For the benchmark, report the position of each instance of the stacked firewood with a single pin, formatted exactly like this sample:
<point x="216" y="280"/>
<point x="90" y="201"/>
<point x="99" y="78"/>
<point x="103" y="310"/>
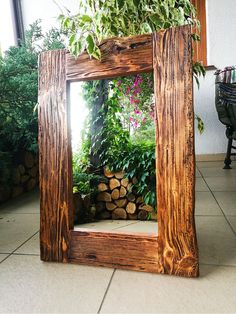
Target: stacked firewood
<point x="25" y="174"/>
<point x="117" y="200"/>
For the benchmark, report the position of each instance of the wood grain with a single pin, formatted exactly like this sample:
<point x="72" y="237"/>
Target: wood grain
<point x="120" y="56"/>
<point x="174" y="250"/>
<point x="200" y="48"/>
<point x="175" y="158"/>
<point x="134" y="251"/>
<point x="54" y="158"/>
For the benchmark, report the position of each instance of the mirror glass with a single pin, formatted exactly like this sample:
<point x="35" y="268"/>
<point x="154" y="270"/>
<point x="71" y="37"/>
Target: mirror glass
<point x="113" y="143"/>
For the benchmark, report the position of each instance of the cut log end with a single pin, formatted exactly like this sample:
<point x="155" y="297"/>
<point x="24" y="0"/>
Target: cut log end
<point x="115" y="194"/>
<point x="131" y="197"/>
<point x="114" y="183"/>
<point x="119" y="175"/>
<point x="108" y="173"/>
<point x="123" y="191"/>
<point x="102" y="187"/>
<point x="125" y="182"/>
<point x="147" y="208"/>
<point x="110" y="206"/>
<point x="142" y="215"/>
<point x="121" y="202"/>
<point x="131" y="208"/>
<point x="104" y="197"/>
<point x="119" y="213"/>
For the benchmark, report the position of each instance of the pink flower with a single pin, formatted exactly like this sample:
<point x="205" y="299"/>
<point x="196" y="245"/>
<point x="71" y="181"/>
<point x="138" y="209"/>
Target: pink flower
<point x="135" y="124"/>
<point x="130" y="119"/>
<point x="151" y="113"/>
<point x="118" y="83"/>
<point x="132" y="101"/>
<point x="137" y="90"/>
<point x="128" y="90"/>
<point x="139" y="78"/>
<point x="135" y="83"/>
<point x="136" y="111"/>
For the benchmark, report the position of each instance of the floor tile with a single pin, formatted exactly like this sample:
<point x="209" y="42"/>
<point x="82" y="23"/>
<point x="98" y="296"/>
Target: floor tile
<point x="2" y="257"/>
<point x="27" y="203"/>
<point x="198" y="174"/>
<point x="227" y="201"/>
<point x="218" y="172"/>
<point x="201" y="185"/>
<point x="105" y="224"/>
<point x="232" y="221"/>
<point x="30" y="247"/>
<point x="31" y="286"/>
<point x="206" y="205"/>
<point x="216" y="241"/>
<point x="141" y="226"/>
<point x="213" y="292"/>
<point x="221" y="183"/>
<point x="122" y="226"/>
<point x="15" y="229"/>
<point x="209" y="164"/>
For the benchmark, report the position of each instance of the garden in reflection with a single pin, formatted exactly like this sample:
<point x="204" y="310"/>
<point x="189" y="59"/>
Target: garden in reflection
<point x="113" y="142"/>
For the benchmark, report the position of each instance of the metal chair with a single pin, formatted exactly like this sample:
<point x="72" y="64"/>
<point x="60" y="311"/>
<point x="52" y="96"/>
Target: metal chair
<point x="225" y="101"/>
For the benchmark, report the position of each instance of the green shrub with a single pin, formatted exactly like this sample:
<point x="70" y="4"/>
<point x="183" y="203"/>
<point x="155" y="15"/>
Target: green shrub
<point x="19" y="89"/>
<point x="18" y="96"/>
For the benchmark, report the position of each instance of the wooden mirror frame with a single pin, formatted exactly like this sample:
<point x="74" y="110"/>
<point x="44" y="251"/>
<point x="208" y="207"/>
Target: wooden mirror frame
<point x="174" y="249"/>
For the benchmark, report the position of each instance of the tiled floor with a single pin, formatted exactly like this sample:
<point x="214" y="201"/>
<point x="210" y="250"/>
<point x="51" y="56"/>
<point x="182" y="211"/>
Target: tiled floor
<point x="28" y="285"/>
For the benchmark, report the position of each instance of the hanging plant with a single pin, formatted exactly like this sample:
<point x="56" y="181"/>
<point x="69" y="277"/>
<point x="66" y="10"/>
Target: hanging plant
<point x="101" y="19"/>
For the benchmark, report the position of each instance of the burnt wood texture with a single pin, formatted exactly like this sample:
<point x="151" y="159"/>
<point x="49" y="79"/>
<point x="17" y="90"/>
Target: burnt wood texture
<point x="174" y="250"/>
<point x="175" y="158"/>
<point x="120" y="57"/>
<point x="118" y="250"/>
<point x="54" y="158"/>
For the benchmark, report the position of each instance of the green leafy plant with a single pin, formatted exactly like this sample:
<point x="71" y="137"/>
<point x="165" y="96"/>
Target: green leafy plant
<point x="84" y="181"/>
<point x="102" y="19"/>
<point x="138" y="161"/>
<point x="18" y="96"/>
<point x="126" y="139"/>
<point x="135" y="154"/>
<point x="98" y="20"/>
<point x="19" y="89"/>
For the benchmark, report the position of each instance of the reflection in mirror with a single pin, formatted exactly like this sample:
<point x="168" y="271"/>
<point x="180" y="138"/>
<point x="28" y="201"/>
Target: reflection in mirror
<point x="113" y="142"/>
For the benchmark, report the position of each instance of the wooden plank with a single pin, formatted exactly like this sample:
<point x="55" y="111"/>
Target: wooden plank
<point x="200" y="48"/>
<point x="174" y="251"/>
<point x="120" y="56"/>
<point x="134" y="251"/>
<point x="54" y="157"/>
<point x="175" y="158"/>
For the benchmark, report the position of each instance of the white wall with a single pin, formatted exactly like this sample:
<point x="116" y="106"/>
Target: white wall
<point x="7" y="36"/>
<point x="213" y="140"/>
<point x="46" y="10"/>
<point x="221" y="32"/>
<point x="221" y="37"/>
<point x="221" y="46"/>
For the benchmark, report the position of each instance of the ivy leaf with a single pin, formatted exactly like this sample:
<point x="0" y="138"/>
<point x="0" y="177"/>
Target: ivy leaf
<point x="200" y="124"/>
<point x="76" y="48"/>
<point x="195" y="37"/>
<point x="120" y="4"/>
<point x="72" y="39"/>
<point x="66" y="22"/>
<point x="90" y="44"/>
<point x="86" y="19"/>
<point x="96" y="53"/>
